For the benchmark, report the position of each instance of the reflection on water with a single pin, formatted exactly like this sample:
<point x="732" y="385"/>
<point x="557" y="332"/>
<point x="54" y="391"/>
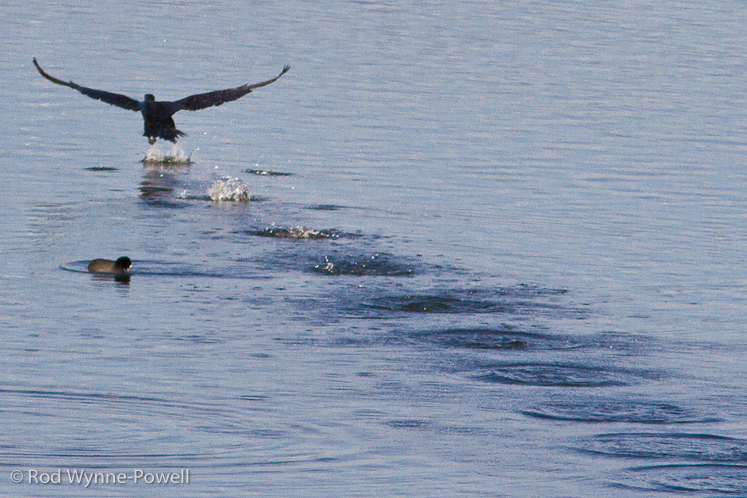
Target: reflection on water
<point x="158" y="185"/>
<point x="121" y="279"/>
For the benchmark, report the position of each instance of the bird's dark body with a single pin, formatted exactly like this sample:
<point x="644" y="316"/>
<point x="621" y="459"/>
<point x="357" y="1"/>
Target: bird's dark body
<point x="157" y="116"/>
<point x="158" y="121"/>
<point x="119" y="267"/>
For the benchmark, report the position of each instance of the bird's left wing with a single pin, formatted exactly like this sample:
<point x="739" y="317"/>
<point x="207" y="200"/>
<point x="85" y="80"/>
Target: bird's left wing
<point x="115" y="99"/>
<point x="210" y="99"/>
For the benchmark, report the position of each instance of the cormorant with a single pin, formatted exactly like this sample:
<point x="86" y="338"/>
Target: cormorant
<point x="157" y="115"/>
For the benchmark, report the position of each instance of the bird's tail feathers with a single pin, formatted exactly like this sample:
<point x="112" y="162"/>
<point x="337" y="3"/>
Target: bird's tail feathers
<point x="167" y="134"/>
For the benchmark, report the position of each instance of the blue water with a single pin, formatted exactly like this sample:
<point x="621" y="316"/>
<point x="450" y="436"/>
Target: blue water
<point x="492" y="249"/>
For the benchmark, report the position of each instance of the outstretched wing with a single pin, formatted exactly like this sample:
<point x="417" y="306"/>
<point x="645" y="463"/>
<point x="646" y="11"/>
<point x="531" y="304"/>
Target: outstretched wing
<point x="210" y="99"/>
<point x="115" y="99"/>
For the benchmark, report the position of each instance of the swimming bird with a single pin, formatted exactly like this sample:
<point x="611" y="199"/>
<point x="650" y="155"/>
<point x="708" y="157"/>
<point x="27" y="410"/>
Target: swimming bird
<point x="158" y="114"/>
<point x="119" y="267"/>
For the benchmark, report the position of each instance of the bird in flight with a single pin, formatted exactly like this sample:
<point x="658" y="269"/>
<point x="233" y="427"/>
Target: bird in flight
<point x="158" y="115"/>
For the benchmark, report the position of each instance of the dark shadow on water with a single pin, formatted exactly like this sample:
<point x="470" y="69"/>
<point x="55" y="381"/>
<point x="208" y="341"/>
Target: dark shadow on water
<point x="102" y="168"/>
<point x="353" y="294"/>
<point x="510" y="301"/>
<point x="325" y="207"/>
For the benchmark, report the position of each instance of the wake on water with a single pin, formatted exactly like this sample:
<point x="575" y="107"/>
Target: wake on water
<point x="224" y="189"/>
<point x="177" y="157"/>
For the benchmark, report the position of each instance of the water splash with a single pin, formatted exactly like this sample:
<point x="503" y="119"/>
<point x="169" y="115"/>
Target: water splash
<point x="176" y="157"/>
<point x="296" y="232"/>
<point x="265" y="172"/>
<point x="229" y="189"/>
<point x="375" y="265"/>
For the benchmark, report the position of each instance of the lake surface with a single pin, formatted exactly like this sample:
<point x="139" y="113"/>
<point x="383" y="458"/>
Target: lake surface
<point x="492" y="249"/>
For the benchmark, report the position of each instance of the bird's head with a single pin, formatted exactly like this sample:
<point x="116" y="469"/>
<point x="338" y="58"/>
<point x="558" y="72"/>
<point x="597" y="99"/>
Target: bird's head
<point x="124" y="263"/>
<point x="150" y="98"/>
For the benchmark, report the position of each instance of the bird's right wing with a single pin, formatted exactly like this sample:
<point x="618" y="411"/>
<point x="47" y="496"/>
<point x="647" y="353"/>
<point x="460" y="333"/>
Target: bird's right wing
<point x="115" y="99"/>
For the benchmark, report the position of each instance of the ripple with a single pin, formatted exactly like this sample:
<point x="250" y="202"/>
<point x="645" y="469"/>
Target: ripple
<point x="509" y="303"/>
<point x="474" y="301"/>
<point x="701" y="447"/>
<point x="478" y="338"/>
<point x="438" y="304"/>
<point x="618" y="410"/>
<point x="121" y="428"/>
<point x="504" y="338"/>
<point x="408" y="424"/>
<point x="553" y="375"/>
<point x="703" y="478"/>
